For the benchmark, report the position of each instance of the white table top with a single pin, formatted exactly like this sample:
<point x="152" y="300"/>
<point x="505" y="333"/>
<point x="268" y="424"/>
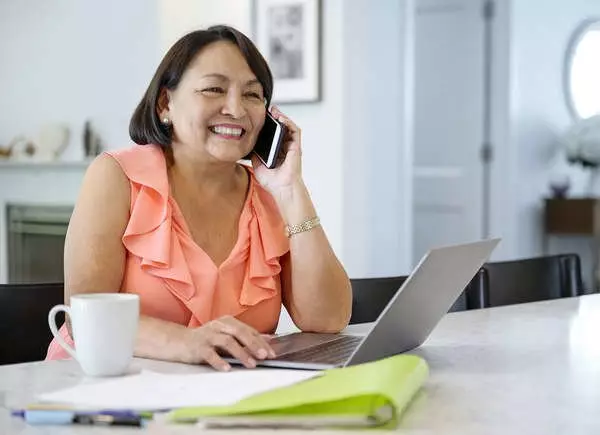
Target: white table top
<point x="526" y="369"/>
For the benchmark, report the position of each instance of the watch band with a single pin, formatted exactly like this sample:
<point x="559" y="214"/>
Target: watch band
<point x="306" y="225"/>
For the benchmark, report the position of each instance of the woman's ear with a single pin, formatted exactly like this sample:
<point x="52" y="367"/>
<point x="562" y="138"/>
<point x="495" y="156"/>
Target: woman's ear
<point x="162" y="104"/>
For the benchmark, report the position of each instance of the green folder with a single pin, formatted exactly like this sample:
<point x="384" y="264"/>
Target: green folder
<point x="367" y="395"/>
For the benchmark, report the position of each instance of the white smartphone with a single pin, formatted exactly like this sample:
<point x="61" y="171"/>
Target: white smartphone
<point x="269" y="142"/>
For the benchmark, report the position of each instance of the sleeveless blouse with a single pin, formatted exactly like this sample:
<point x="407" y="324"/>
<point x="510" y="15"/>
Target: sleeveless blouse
<point x="176" y="280"/>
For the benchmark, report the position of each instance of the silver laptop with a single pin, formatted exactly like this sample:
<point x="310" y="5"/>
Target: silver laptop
<point x="405" y="323"/>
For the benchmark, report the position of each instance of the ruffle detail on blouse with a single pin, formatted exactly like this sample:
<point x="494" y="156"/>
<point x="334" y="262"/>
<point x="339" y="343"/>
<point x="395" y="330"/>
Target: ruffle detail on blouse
<point x="265" y="245"/>
<point x="150" y="233"/>
<point x="165" y="249"/>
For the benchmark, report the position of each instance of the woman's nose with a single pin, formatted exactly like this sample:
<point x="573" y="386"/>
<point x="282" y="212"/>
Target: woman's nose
<point x="233" y="105"/>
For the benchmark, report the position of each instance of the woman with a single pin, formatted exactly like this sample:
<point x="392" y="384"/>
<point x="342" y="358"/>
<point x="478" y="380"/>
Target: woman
<point x="201" y="238"/>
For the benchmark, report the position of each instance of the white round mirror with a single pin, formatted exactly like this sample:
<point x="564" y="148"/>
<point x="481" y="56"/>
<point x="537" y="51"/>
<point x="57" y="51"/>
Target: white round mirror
<point x="582" y="71"/>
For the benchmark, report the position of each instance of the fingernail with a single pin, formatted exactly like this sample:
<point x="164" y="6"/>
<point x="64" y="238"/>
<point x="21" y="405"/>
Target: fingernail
<point x="225" y="367"/>
<point x="262" y="354"/>
<point x="251" y="362"/>
<point x="273" y="354"/>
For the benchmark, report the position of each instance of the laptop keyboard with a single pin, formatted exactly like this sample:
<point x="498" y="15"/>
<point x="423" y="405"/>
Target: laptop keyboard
<point x="333" y="352"/>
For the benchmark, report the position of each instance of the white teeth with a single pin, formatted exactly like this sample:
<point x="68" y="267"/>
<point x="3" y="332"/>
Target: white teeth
<point x="227" y="130"/>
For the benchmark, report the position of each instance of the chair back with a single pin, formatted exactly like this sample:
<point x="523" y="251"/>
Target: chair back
<point x="528" y="280"/>
<point x="371" y="295"/>
<point x="24" y="331"/>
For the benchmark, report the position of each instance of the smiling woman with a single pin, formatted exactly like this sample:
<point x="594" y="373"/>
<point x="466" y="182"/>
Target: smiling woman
<point x="200" y="237"/>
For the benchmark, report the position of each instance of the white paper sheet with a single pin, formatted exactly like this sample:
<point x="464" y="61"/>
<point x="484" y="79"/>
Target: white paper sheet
<point x="156" y="391"/>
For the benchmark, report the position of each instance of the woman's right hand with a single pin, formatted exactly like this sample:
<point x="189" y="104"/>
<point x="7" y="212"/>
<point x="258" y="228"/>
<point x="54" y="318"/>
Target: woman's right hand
<point x="230" y="335"/>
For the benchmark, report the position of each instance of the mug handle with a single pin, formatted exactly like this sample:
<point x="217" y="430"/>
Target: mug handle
<point x="52" y="323"/>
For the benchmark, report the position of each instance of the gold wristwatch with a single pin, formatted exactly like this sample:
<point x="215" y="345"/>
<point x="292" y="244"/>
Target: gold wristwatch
<point x="306" y="225"/>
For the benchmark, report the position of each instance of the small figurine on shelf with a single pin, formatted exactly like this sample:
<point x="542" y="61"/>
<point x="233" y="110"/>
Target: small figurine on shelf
<point x="52" y="140"/>
<point x="4" y="152"/>
<point x="47" y="146"/>
<point x="21" y="148"/>
<point x="560" y="185"/>
<point x="92" y="145"/>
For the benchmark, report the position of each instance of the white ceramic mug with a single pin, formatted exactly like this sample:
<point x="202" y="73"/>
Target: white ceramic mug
<point x="104" y="329"/>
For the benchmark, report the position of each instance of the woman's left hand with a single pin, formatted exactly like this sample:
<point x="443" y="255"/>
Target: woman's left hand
<point x="288" y="172"/>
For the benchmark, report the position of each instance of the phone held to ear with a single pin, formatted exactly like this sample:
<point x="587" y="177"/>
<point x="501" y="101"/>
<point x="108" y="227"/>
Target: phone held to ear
<point x="270" y="141"/>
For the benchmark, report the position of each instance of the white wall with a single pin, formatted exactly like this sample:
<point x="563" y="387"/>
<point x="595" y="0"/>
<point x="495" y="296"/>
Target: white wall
<point x="377" y="147"/>
<point x="69" y="60"/>
<point x="322" y="131"/>
<point x="502" y="174"/>
<point x="178" y="17"/>
<point x="540" y="32"/>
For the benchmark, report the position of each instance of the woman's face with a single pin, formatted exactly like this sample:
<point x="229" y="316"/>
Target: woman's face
<point x="218" y="107"/>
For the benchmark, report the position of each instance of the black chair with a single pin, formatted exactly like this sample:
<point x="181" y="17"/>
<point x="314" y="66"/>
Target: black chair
<point x="371" y="295"/>
<point x="528" y="280"/>
<point x="24" y="331"/>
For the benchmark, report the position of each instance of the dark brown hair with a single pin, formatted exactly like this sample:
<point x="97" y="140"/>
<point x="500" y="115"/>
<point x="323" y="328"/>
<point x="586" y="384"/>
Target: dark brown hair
<point x="145" y="126"/>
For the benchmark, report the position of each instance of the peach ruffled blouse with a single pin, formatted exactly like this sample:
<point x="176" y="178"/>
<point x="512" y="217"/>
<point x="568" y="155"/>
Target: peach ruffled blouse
<point x="176" y="280"/>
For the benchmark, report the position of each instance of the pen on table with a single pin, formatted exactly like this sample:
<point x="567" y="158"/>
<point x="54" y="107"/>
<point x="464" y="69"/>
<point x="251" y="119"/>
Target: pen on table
<point x="117" y="412"/>
<point x="112" y="418"/>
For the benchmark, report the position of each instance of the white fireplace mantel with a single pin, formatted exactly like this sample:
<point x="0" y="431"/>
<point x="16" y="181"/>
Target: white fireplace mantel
<point x="39" y="183"/>
<point x="33" y="165"/>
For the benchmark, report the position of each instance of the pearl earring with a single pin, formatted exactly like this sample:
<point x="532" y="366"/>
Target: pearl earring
<point x="166" y="121"/>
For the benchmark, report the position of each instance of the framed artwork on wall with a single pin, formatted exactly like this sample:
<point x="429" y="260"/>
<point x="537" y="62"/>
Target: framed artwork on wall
<point x="288" y="34"/>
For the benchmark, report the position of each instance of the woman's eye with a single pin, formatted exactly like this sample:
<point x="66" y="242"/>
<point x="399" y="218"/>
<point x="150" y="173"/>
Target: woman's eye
<point x="213" y="90"/>
<point x="254" y="95"/>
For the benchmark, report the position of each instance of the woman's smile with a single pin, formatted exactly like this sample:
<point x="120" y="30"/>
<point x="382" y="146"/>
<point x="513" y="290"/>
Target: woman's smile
<point x="227" y="131"/>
